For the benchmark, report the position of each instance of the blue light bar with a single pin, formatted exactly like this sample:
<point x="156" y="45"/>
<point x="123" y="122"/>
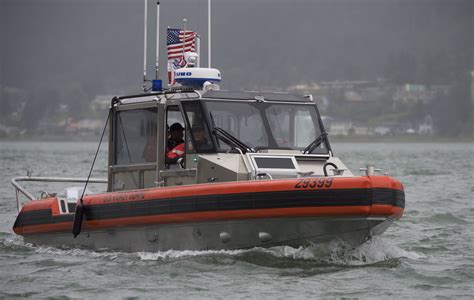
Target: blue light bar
<point x="157" y="85"/>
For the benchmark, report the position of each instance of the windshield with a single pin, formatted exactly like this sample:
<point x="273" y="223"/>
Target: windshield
<point x="267" y="125"/>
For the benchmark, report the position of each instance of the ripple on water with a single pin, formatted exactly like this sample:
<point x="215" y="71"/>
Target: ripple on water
<point x="422" y="172"/>
<point x="446" y="219"/>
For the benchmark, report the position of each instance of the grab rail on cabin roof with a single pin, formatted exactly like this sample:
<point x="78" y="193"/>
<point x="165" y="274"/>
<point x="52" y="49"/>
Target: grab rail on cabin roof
<point x="20" y="189"/>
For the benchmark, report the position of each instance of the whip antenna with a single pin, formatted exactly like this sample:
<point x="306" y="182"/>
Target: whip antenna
<point x="209" y="33"/>
<point x="157" y="65"/>
<point x="144" y="46"/>
<point x="198" y="48"/>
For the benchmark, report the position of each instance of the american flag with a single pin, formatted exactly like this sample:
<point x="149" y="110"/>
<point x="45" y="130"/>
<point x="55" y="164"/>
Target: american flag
<point x="176" y="40"/>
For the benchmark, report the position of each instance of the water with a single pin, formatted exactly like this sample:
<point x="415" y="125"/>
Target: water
<point x="428" y="253"/>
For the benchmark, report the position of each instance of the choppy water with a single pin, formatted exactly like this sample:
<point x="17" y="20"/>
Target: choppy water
<point x="428" y="253"/>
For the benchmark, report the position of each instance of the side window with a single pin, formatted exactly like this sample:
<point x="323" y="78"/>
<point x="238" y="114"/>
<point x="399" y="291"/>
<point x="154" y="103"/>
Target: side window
<point x="200" y="138"/>
<point x="135" y="136"/>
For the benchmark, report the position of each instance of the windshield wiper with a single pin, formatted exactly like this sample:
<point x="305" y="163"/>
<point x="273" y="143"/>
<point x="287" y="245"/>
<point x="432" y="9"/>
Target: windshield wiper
<point x="314" y="144"/>
<point x="231" y="140"/>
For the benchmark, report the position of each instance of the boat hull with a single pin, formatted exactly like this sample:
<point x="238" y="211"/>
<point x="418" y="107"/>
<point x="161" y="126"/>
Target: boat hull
<point x="236" y="234"/>
<point x="223" y="216"/>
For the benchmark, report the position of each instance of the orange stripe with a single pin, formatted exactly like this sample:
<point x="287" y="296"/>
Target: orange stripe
<point x="46" y="228"/>
<point x="39" y="204"/>
<point x="220" y="189"/>
<point x="386" y="182"/>
<point x="386" y="210"/>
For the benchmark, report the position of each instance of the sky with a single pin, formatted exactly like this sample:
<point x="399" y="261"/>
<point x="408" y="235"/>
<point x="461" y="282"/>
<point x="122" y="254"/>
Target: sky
<point x="99" y="43"/>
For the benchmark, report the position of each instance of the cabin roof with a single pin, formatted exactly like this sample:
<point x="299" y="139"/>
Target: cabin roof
<point x="254" y="95"/>
<point x="217" y="95"/>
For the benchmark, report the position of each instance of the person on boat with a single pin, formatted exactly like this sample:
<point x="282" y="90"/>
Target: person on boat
<point x="202" y="143"/>
<point x="175" y="146"/>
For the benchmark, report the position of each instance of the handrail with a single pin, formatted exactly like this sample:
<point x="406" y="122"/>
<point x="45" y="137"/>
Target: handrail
<point x="19" y="189"/>
<point x="249" y="170"/>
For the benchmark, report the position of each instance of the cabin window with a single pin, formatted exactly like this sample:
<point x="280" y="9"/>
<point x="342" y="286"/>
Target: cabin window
<point x="293" y="126"/>
<point x="267" y="125"/>
<point x="174" y="116"/>
<point x="135" y="136"/>
<point x="200" y="138"/>
<point x="242" y="121"/>
<point x="304" y="129"/>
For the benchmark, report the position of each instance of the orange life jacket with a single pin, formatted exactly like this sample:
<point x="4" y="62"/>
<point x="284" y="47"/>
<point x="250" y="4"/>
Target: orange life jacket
<point x="176" y="152"/>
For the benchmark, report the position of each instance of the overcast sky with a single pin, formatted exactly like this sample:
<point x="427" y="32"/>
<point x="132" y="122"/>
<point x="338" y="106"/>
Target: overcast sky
<point x="101" y="41"/>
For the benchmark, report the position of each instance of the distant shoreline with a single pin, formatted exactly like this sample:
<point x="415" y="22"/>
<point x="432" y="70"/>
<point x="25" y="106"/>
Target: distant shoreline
<point x="332" y="139"/>
<point x="401" y="139"/>
<point x="54" y="138"/>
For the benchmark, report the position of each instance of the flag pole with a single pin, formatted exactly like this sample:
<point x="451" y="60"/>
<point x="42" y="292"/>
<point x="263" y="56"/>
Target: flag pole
<point x="209" y="33"/>
<point x="168" y="59"/>
<point x="144" y="47"/>
<point x="157" y="64"/>
<point x="184" y="36"/>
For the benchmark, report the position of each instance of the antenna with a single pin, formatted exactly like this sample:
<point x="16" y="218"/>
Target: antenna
<point x="144" y="47"/>
<point x="209" y="33"/>
<point x="157" y="65"/>
<point x="198" y="46"/>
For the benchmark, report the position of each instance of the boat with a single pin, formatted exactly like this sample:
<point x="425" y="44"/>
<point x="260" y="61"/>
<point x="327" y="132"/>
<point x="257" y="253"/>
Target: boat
<point x="256" y="169"/>
<point x="267" y="176"/>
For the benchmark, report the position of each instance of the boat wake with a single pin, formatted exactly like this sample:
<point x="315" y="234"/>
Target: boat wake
<point x="336" y="253"/>
<point x="377" y="250"/>
<point x="13" y="244"/>
<point x="105" y="253"/>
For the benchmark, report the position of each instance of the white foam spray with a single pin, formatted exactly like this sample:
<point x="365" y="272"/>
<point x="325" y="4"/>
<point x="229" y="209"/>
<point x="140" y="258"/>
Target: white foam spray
<point x="336" y="252"/>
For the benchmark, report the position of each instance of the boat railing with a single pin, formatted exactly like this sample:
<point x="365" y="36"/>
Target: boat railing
<point x="21" y="190"/>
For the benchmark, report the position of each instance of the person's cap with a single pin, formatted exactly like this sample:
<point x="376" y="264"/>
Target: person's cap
<point x="176" y="126"/>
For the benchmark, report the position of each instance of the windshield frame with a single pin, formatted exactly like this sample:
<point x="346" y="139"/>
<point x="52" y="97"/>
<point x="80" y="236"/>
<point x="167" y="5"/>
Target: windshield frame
<point x="265" y="121"/>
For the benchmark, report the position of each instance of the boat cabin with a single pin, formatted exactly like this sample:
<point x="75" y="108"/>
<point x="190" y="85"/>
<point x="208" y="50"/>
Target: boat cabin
<point x="226" y="136"/>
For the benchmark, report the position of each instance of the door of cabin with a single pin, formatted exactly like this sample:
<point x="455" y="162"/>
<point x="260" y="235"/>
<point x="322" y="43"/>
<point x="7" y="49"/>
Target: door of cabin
<point x="136" y="146"/>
